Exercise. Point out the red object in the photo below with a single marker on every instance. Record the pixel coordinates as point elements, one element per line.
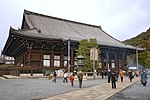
<point>71,78</point>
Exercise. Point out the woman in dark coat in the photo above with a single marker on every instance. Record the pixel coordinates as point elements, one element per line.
<point>113,79</point>
<point>144,78</point>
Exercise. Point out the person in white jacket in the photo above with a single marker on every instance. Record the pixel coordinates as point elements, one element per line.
<point>65,80</point>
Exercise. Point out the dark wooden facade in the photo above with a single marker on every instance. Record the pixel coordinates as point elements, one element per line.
<point>114,57</point>
<point>29,53</point>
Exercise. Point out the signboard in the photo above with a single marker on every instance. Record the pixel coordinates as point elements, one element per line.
<point>93,54</point>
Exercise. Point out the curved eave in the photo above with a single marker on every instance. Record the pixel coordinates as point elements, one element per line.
<point>135,48</point>
<point>8,42</point>
<point>13,45</point>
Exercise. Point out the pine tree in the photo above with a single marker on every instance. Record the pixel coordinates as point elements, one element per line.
<point>84,49</point>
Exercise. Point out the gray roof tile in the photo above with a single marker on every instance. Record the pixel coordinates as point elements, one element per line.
<point>52,27</point>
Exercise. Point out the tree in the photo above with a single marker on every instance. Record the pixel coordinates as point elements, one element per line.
<point>144,58</point>
<point>143,41</point>
<point>84,49</point>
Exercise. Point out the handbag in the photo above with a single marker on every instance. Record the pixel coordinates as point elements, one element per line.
<point>115,78</point>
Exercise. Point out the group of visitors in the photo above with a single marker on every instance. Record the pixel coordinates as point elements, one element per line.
<point>65,80</point>
<point>113,77</point>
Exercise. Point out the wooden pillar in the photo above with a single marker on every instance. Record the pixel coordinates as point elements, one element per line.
<point>124,60</point>
<point>31,71</point>
<point>107,61</point>
<point>30,62</point>
<point>41,64</point>
<point>18,73</point>
<point>72,59</point>
<point>62,60</point>
<point>52,59</point>
<point>41,54</point>
<point>116,62</point>
<point>24,58</point>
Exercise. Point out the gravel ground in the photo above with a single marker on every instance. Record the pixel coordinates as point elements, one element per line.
<point>36,89</point>
<point>134,92</point>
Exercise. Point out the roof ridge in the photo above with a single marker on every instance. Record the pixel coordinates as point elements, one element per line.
<point>47,16</point>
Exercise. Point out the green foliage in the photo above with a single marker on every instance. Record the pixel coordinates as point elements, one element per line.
<point>144,58</point>
<point>143,41</point>
<point>84,49</point>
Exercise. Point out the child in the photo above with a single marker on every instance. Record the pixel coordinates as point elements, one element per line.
<point>71,80</point>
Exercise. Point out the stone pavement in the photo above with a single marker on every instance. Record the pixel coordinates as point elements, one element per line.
<point>99,92</point>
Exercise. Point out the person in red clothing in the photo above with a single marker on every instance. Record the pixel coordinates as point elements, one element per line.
<point>71,80</point>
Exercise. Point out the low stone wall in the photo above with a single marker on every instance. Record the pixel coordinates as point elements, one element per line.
<point>25,75</point>
<point>4,71</point>
<point>35,74</point>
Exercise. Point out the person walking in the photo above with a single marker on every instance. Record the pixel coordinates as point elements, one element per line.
<point>80,78</point>
<point>113,79</point>
<point>72,80</point>
<point>65,78</point>
<point>54,74</point>
<point>144,78</point>
<point>121,73</point>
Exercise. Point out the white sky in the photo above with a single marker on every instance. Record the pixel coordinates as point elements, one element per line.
<point>122,19</point>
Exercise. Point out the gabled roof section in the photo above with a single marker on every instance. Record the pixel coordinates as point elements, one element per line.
<point>58,28</point>
<point>33,33</point>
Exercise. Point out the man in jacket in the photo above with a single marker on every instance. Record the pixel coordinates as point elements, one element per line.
<point>113,79</point>
<point>80,78</point>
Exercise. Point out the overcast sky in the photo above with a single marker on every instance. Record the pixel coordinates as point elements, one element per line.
<point>122,19</point>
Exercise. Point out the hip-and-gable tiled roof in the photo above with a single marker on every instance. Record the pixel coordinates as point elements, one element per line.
<point>57,28</point>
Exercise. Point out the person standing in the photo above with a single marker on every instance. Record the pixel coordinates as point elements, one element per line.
<point>102,74</point>
<point>117,75</point>
<point>105,74</point>
<point>113,79</point>
<point>144,78</point>
<point>121,73</point>
<point>80,78</point>
<point>54,74</point>
<point>130,75</point>
<point>71,80</point>
<point>65,78</point>
<point>109,76</point>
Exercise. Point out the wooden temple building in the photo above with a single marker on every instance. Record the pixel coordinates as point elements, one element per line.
<point>42,44</point>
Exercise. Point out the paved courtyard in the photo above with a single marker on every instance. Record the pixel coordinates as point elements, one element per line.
<point>28,89</point>
<point>135,91</point>
<point>37,89</point>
